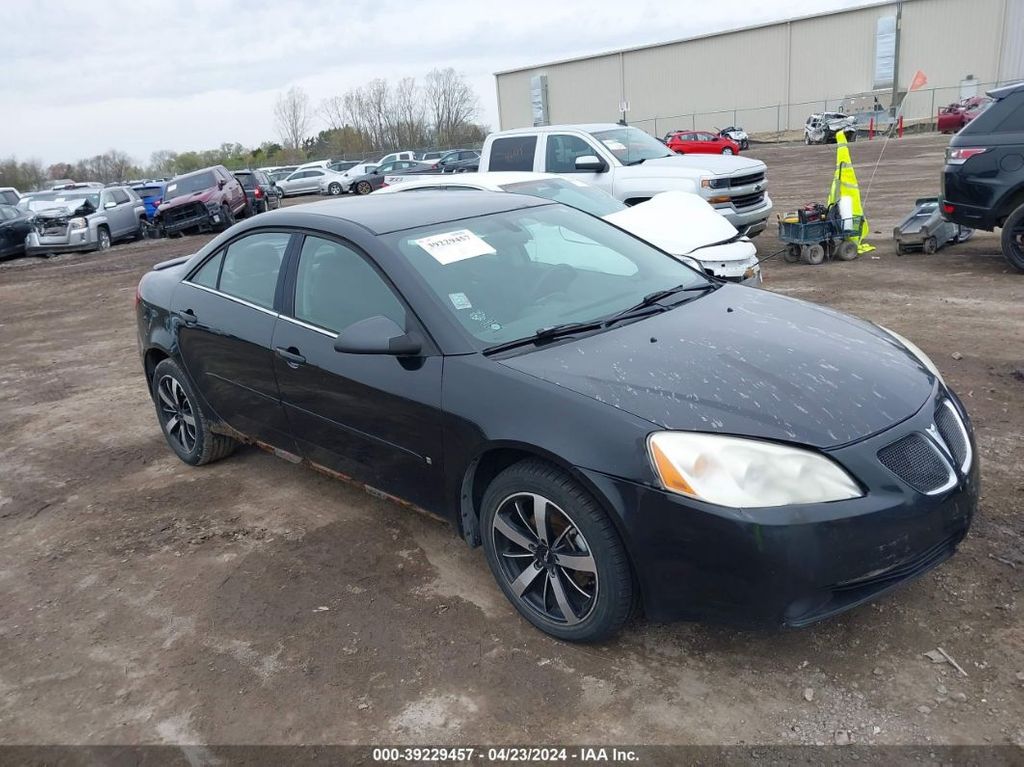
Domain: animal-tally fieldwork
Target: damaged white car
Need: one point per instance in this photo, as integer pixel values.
(84, 219)
(822, 128)
(679, 223)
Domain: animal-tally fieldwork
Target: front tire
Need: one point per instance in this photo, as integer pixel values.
(334, 189)
(103, 238)
(185, 426)
(727, 150)
(227, 218)
(363, 187)
(555, 554)
(1013, 239)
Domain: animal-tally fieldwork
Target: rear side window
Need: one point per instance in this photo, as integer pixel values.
(513, 153)
(246, 180)
(1004, 116)
(8, 197)
(1013, 122)
(251, 266)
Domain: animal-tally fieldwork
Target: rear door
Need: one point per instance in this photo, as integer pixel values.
(373, 418)
(225, 313)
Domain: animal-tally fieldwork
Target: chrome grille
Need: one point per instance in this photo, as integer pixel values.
(748, 200)
(753, 178)
(954, 434)
(917, 461)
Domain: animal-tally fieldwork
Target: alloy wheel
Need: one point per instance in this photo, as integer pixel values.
(363, 187)
(334, 188)
(104, 239)
(544, 558)
(177, 413)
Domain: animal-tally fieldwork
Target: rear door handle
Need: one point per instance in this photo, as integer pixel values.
(290, 355)
(189, 317)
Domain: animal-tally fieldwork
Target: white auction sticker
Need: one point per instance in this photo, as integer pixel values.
(460, 301)
(454, 246)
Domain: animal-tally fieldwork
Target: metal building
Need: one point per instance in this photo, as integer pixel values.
(769, 78)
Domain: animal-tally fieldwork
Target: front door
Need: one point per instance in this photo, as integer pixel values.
(226, 316)
(374, 418)
(560, 153)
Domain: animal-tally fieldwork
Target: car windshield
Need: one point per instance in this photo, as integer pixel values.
(505, 276)
(569, 192)
(189, 185)
(632, 145)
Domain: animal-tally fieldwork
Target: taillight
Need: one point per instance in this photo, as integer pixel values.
(138, 294)
(158, 202)
(258, 193)
(959, 155)
(947, 208)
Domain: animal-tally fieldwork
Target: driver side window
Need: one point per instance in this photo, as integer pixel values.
(336, 287)
(562, 151)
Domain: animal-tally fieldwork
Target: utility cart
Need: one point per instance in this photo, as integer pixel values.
(820, 235)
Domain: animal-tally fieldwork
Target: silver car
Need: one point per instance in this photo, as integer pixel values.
(84, 219)
(302, 181)
(341, 183)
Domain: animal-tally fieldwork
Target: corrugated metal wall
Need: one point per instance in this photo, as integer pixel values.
(749, 76)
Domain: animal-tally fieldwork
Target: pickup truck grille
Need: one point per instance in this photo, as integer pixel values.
(748, 200)
(752, 178)
(183, 213)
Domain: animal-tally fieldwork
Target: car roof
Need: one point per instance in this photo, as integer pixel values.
(492, 180)
(382, 214)
(585, 127)
(1006, 90)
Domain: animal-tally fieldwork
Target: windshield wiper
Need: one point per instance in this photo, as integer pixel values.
(637, 162)
(546, 334)
(653, 299)
(726, 241)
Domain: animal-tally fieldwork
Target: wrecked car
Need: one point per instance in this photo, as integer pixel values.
(86, 218)
(822, 128)
(616, 429)
(201, 201)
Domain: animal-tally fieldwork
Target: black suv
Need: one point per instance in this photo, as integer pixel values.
(983, 181)
(262, 193)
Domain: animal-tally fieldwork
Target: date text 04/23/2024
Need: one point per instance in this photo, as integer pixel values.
(502, 754)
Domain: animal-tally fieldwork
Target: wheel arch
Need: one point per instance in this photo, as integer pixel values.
(494, 458)
(1009, 203)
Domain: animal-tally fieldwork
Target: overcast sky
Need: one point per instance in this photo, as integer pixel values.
(81, 78)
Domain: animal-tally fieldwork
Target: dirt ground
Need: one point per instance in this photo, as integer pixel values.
(253, 601)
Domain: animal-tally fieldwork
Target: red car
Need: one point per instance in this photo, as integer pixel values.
(700, 142)
(952, 118)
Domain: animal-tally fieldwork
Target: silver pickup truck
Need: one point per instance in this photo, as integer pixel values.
(633, 166)
(84, 219)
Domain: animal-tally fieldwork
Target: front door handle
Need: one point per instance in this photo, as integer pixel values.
(290, 355)
(189, 317)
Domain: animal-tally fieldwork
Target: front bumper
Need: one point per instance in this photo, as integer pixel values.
(750, 221)
(721, 261)
(795, 565)
(202, 219)
(74, 240)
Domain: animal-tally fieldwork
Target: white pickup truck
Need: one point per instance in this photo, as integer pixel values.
(633, 166)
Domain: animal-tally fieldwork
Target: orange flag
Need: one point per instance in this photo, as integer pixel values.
(919, 80)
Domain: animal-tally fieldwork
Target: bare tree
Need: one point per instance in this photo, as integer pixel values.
(333, 112)
(451, 102)
(409, 114)
(292, 117)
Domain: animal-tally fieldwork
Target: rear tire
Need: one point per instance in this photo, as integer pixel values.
(727, 150)
(1013, 239)
(931, 245)
(587, 601)
(363, 187)
(334, 189)
(176, 406)
(847, 250)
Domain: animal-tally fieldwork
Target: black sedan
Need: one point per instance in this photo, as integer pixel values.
(616, 429)
(15, 225)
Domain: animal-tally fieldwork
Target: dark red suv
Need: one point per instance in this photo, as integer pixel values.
(201, 201)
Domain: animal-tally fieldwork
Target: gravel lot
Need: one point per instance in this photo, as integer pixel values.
(253, 601)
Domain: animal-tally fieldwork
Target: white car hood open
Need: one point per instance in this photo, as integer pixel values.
(683, 224)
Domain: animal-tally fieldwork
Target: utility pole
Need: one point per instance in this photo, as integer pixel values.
(896, 59)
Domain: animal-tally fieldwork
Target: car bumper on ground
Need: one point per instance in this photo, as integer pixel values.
(204, 219)
(74, 240)
(788, 566)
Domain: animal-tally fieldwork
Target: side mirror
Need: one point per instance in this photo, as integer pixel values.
(110, 204)
(378, 335)
(221, 183)
(591, 163)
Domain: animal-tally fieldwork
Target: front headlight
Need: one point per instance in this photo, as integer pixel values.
(745, 473)
(714, 183)
(78, 223)
(923, 358)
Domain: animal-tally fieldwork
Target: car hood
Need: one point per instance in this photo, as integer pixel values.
(677, 222)
(204, 195)
(716, 164)
(747, 362)
(51, 209)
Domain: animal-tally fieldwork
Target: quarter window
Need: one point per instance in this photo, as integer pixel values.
(336, 287)
(251, 266)
(209, 272)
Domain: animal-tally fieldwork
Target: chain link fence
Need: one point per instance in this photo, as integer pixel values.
(784, 122)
